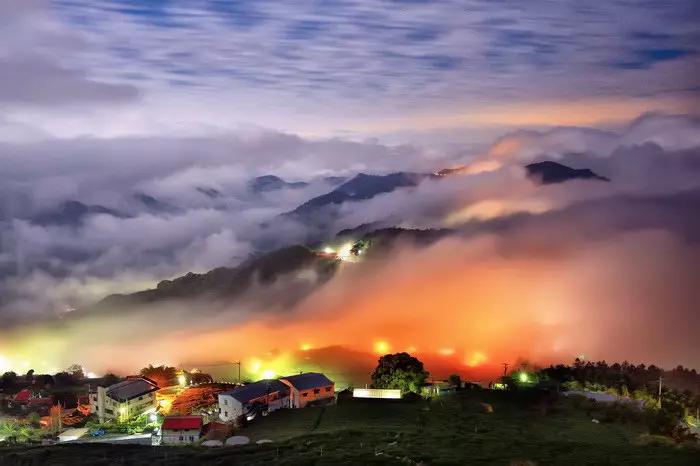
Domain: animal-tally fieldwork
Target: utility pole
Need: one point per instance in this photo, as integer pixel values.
(505, 369)
(239, 371)
(660, 383)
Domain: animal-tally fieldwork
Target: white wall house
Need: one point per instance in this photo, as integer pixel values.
(272, 394)
(124, 400)
(181, 429)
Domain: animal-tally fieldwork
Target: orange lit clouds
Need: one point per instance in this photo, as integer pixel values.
(461, 305)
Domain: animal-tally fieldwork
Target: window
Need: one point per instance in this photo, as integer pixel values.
(225, 413)
(304, 395)
(328, 389)
(109, 411)
(316, 391)
(181, 438)
(191, 438)
(225, 401)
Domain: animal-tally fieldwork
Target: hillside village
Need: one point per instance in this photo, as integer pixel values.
(69, 415)
(137, 410)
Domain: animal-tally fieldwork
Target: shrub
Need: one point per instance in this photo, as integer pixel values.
(654, 440)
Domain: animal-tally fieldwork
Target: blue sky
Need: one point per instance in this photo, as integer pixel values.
(329, 66)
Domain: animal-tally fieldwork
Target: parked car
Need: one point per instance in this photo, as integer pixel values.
(98, 432)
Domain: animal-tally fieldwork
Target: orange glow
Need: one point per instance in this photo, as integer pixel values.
(447, 351)
(476, 359)
(306, 347)
(381, 347)
(528, 297)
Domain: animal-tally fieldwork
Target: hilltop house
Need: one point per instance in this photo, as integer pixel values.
(309, 389)
(181, 429)
(245, 399)
(124, 400)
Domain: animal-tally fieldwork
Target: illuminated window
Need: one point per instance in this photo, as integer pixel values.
(328, 389)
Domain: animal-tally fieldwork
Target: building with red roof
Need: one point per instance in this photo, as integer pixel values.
(23, 396)
(181, 429)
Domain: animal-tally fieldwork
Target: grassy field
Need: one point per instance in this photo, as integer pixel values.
(455, 430)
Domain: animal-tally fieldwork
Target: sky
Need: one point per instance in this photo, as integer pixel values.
(104, 102)
(324, 68)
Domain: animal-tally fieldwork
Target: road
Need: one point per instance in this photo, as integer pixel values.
(140, 439)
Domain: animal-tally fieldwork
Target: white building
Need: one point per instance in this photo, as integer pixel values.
(181, 429)
(246, 399)
(124, 400)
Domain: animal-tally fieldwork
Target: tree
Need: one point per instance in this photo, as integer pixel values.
(8, 380)
(164, 376)
(455, 381)
(44, 380)
(110, 379)
(399, 371)
(29, 378)
(76, 370)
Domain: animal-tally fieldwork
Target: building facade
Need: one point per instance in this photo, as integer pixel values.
(181, 429)
(125, 400)
(309, 389)
(268, 395)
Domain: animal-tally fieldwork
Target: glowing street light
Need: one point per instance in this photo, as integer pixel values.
(182, 379)
(268, 374)
(523, 377)
(328, 250)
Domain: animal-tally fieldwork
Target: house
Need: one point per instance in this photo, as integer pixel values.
(309, 389)
(124, 400)
(181, 429)
(247, 399)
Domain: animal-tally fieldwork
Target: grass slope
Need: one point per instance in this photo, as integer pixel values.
(455, 430)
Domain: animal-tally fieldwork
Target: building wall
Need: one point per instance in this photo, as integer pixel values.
(107, 408)
(229, 408)
(176, 436)
(299, 399)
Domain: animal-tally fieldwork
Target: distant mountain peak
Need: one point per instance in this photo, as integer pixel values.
(268, 183)
(210, 192)
(548, 172)
(73, 213)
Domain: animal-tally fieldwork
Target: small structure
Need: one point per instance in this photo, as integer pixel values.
(238, 440)
(309, 389)
(181, 429)
(212, 443)
(267, 395)
(72, 435)
(124, 400)
(377, 393)
(437, 388)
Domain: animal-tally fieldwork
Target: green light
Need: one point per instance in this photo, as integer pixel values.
(523, 377)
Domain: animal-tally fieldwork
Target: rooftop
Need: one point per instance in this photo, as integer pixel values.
(23, 396)
(131, 388)
(182, 422)
(255, 390)
(308, 380)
